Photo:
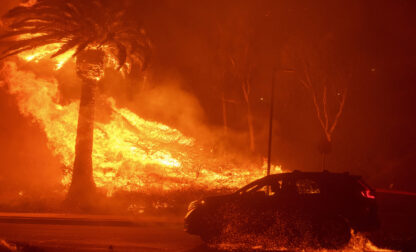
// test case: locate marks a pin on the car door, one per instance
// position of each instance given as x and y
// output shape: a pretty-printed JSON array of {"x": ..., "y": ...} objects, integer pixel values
[
  {"x": 310, "y": 200},
  {"x": 251, "y": 211},
  {"x": 293, "y": 207}
]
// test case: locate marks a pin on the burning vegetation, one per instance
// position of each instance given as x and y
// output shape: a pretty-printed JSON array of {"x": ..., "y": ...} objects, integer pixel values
[
  {"x": 109, "y": 151},
  {"x": 127, "y": 152},
  {"x": 98, "y": 38},
  {"x": 130, "y": 153}
]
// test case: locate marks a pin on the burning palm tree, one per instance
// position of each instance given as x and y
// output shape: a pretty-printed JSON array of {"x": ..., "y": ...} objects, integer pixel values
[{"x": 99, "y": 32}]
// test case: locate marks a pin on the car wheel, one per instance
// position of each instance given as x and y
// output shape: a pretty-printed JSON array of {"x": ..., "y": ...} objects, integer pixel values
[
  {"x": 210, "y": 238},
  {"x": 334, "y": 233}
]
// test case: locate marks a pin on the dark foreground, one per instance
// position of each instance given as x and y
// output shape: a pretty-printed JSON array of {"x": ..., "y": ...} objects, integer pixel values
[
  {"x": 57, "y": 232},
  {"x": 53, "y": 232},
  {"x": 63, "y": 232}
]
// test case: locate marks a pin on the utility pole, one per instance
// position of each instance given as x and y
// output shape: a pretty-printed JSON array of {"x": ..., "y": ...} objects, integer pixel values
[{"x": 269, "y": 156}]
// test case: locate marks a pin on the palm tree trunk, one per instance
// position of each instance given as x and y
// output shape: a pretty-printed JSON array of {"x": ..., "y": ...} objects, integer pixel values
[{"x": 82, "y": 190}]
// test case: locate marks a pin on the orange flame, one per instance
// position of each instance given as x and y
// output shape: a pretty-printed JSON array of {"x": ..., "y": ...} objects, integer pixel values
[
  {"x": 28, "y": 3},
  {"x": 129, "y": 153},
  {"x": 42, "y": 52}
]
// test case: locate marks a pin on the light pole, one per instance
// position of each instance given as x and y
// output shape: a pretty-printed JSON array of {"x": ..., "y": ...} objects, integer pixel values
[{"x": 269, "y": 156}]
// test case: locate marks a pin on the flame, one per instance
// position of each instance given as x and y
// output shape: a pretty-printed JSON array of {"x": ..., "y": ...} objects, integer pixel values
[
  {"x": 130, "y": 153},
  {"x": 28, "y": 3},
  {"x": 46, "y": 51},
  {"x": 36, "y": 54},
  {"x": 42, "y": 52}
]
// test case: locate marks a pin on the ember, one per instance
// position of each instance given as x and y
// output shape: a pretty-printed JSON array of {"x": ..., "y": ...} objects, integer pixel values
[{"x": 358, "y": 243}]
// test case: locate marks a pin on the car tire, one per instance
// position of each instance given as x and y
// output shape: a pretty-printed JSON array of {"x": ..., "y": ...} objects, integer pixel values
[
  {"x": 210, "y": 238},
  {"x": 334, "y": 233}
]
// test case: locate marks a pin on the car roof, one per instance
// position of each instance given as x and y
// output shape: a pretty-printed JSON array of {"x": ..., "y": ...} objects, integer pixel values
[{"x": 300, "y": 174}]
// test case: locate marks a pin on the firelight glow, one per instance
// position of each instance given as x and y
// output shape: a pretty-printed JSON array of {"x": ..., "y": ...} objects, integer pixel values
[{"x": 130, "y": 153}]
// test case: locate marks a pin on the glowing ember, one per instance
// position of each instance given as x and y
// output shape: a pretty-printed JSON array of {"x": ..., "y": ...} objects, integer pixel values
[
  {"x": 129, "y": 153},
  {"x": 358, "y": 243}
]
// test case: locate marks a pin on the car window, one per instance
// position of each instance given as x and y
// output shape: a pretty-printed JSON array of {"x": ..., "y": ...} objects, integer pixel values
[
  {"x": 254, "y": 188},
  {"x": 275, "y": 188},
  {"x": 307, "y": 186},
  {"x": 270, "y": 189},
  {"x": 262, "y": 188},
  {"x": 250, "y": 188}
]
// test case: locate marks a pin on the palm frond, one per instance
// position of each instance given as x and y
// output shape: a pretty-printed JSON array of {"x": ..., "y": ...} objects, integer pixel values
[
  {"x": 81, "y": 47},
  {"x": 121, "y": 54},
  {"x": 67, "y": 46},
  {"x": 75, "y": 24}
]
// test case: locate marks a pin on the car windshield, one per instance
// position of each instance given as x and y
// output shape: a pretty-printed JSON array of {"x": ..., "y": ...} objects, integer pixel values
[
  {"x": 261, "y": 185},
  {"x": 255, "y": 185},
  {"x": 251, "y": 186}
]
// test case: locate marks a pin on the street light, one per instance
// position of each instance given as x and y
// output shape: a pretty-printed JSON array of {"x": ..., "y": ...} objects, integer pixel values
[{"x": 272, "y": 114}]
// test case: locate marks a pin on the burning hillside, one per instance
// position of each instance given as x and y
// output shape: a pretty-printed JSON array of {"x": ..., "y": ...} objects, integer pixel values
[
  {"x": 123, "y": 152},
  {"x": 130, "y": 153}
]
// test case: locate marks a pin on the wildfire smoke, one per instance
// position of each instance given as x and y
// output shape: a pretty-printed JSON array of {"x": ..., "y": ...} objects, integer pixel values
[{"x": 130, "y": 153}]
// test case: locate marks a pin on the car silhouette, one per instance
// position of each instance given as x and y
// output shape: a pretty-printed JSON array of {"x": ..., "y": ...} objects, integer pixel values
[{"x": 314, "y": 208}]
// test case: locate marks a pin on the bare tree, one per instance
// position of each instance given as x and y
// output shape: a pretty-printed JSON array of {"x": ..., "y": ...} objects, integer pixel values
[
  {"x": 326, "y": 82},
  {"x": 225, "y": 102},
  {"x": 242, "y": 69},
  {"x": 321, "y": 105},
  {"x": 234, "y": 55}
]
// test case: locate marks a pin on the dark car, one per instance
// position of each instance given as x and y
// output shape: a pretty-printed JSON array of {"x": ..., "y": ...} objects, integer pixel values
[{"x": 321, "y": 207}]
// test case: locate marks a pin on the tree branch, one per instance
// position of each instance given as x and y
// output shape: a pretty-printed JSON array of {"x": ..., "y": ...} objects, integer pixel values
[
  {"x": 324, "y": 105},
  {"x": 246, "y": 91},
  {"x": 341, "y": 108},
  {"x": 308, "y": 84}
]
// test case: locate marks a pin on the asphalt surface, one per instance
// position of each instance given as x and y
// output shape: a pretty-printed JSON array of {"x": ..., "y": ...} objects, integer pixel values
[
  {"x": 70, "y": 232},
  {"x": 55, "y": 232},
  {"x": 30, "y": 232}
]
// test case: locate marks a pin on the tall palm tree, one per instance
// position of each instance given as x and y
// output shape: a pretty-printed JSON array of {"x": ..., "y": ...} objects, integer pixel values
[{"x": 97, "y": 30}]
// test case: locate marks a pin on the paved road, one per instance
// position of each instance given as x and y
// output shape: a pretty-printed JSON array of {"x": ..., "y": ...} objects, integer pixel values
[
  {"x": 68, "y": 232},
  {"x": 55, "y": 232},
  {"x": 61, "y": 232}
]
